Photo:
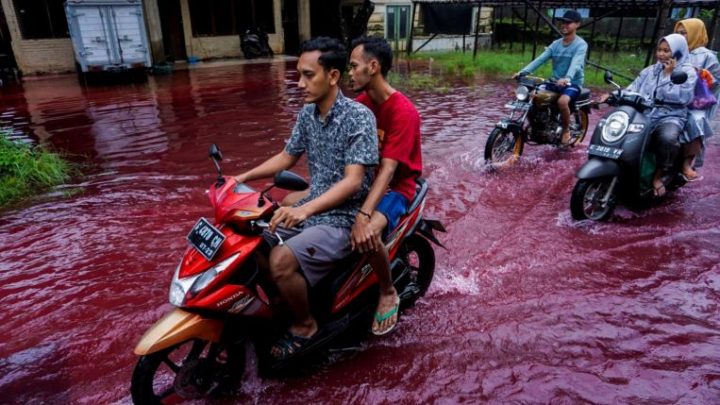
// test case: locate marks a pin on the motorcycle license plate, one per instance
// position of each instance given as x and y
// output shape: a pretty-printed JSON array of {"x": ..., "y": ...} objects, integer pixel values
[
  {"x": 205, "y": 238},
  {"x": 605, "y": 151},
  {"x": 518, "y": 105}
]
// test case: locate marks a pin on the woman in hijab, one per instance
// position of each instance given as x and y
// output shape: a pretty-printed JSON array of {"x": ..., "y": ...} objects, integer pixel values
[
  {"x": 668, "y": 121},
  {"x": 698, "y": 128}
]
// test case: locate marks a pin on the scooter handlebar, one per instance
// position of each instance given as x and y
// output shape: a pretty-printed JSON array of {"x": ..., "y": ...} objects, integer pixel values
[{"x": 659, "y": 102}]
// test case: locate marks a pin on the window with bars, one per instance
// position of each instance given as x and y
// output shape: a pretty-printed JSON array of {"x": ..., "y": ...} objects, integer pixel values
[
  {"x": 230, "y": 17},
  {"x": 41, "y": 19}
]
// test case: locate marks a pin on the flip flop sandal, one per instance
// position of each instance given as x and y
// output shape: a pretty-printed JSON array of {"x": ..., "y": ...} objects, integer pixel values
[
  {"x": 657, "y": 193},
  {"x": 689, "y": 179},
  {"x": 288, "y": 345},
  {"x": 379, "y": 318}
]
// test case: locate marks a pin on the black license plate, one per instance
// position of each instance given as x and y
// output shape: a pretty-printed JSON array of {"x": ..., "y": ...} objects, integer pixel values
[
  {"x": 205, "y": 238},
  {"x": 605, "y": 151}
]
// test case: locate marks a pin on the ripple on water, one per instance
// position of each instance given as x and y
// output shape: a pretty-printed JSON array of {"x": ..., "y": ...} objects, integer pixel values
[{"x": 527, "y": 305}]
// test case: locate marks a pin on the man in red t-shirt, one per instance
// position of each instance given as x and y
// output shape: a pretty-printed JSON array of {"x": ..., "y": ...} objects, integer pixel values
[{"x": 400, "y": 164}]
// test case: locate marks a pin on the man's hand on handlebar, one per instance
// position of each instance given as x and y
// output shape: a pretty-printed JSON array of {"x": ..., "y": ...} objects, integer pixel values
[
  {"x": 288, "y": 217},
  {"x": 563, "y": 82}
]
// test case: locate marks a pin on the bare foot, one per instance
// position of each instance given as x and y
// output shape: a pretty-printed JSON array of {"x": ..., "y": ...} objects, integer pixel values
[
  {"x": 386, "y": 314},
  {"x": 659, "y": 188},
  {"x": 307, "y": 329},
  {"x": 689, "y": 173},
  {"x": 565, "y": 139}
]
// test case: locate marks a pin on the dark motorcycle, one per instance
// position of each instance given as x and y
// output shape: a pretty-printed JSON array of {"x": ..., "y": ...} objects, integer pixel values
[
  {"x": 621, "y": 162},
  {"x": 535, "y": 119},
  {"x": 254, "y": 43}
]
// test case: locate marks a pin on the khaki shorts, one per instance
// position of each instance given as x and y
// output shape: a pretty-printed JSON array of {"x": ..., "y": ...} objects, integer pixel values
[{"x": 316, "y": 248}]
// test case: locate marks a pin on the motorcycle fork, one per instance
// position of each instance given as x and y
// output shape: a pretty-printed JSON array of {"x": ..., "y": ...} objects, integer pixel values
[{"x": 609, "y": 192}]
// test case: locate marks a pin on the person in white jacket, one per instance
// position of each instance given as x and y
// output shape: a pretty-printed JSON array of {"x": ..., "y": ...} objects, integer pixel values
[
  {"x": 668, "y": 121},
  {"x": 698, "y": 127}
]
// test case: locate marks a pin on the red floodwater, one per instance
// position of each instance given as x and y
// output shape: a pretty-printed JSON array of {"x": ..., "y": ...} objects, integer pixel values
[{"x": 527, "y": 305}]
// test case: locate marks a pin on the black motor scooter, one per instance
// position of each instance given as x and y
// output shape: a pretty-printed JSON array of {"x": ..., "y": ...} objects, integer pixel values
[
  {"x": 621, "y": 162},
  {"x": 254, "y": 43}
]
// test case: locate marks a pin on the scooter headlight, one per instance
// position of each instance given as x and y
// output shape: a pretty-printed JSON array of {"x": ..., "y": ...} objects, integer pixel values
[
  {"x": 522, "y": 93},
  {"x": 615, "y": 126},
  {"x": 181, "y": 288}
]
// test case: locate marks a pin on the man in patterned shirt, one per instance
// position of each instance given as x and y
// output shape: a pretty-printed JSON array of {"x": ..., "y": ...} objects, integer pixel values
[{"x": 339, "y": 137}]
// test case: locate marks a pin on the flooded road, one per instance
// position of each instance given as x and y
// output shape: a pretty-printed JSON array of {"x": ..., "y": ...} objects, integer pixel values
[{"x": 527, "y": 306}]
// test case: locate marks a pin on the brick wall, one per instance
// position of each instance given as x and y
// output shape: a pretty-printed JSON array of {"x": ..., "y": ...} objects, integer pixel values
[
  {"x": 40, "y": 56},
  {"x": 226, "y": 46},
  {"x": 37, "y": 56}
]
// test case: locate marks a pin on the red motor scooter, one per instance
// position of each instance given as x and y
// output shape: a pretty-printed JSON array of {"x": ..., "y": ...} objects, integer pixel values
[{"x": 224, "y": 299}]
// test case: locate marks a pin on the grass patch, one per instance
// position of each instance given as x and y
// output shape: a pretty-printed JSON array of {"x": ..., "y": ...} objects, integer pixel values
[
  {"x": 418, "y": 81},
  {"x": 505, "y": 63},
  {"x": 26, "y": 170}
]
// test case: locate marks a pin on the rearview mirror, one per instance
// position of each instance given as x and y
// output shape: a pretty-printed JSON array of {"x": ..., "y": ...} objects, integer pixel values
[
  {"x": 215, "y": 152},
  {"x": 290, "y": 181},
  {"x": 608, "y": 77}
]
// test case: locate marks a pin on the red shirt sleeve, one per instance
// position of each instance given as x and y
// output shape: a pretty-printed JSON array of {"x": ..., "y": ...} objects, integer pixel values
[{"x": 401, "y": 138}]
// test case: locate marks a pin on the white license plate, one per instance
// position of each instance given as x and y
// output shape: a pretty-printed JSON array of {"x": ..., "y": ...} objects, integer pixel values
[
  {"x": 605, "y": 151},
  {"x": 518, "y": 105},
  {"x": 205, "y": 238}
]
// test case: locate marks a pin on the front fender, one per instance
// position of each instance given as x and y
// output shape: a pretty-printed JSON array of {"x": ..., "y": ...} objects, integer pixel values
[
  {"x": 596, "y": 168},
  {"x": 176, "y": 327},
  {"x": 510, "y": 125}
]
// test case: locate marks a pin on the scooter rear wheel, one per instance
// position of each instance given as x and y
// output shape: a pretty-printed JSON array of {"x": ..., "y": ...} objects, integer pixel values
[
  {"x": 419, "y": 257},
  {"x": 587, "y": 202},
  {"x": 503, "y": 146},
  {"x": 185, "y": 371}
]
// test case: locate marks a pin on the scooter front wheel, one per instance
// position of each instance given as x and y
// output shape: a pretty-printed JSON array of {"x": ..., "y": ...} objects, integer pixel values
[
  {"x": 188, "y": 370},
  {"x": 503, "y": 146},
  {"x": 589, "y": 199}
]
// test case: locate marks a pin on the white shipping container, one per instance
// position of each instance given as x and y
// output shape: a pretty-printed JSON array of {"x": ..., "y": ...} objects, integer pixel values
[{"x": 108, "y": 35}]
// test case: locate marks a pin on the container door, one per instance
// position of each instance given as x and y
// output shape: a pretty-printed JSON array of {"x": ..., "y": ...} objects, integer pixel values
[
  {"x": 129, "y": 29},
  {"x": 90, "y": 36}
]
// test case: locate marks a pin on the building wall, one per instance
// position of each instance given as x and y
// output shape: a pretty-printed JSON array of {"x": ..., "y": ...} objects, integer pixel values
[
  {"x": 227, "y": 46},
  {"x": 38, "y": 56},
  {"x": 378, "y": 27}
]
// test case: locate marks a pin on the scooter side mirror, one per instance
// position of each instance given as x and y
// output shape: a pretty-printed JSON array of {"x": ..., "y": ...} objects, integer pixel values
[
  {"x": 216, "y": 157},
  {"x": 608, "y": 77},
  {"x": 215, "y": 153},
  {"x": 290, "y": 181},
  {"x": 678, "y": 77}
]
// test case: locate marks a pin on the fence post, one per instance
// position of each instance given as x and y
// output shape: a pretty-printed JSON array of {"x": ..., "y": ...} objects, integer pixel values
[{"x": 714, "y": 27}]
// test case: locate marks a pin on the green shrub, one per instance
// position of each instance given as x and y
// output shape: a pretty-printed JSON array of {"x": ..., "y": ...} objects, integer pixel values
[{"x": 25, "y": 170}]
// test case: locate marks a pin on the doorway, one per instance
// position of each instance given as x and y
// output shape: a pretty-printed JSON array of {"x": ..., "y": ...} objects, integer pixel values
[
  {"x": 397, "y": 26},
  {"x": 171, "y": 25},
  {"x": 8, "y": 66},
  {"x": 291, "y": 27}
]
